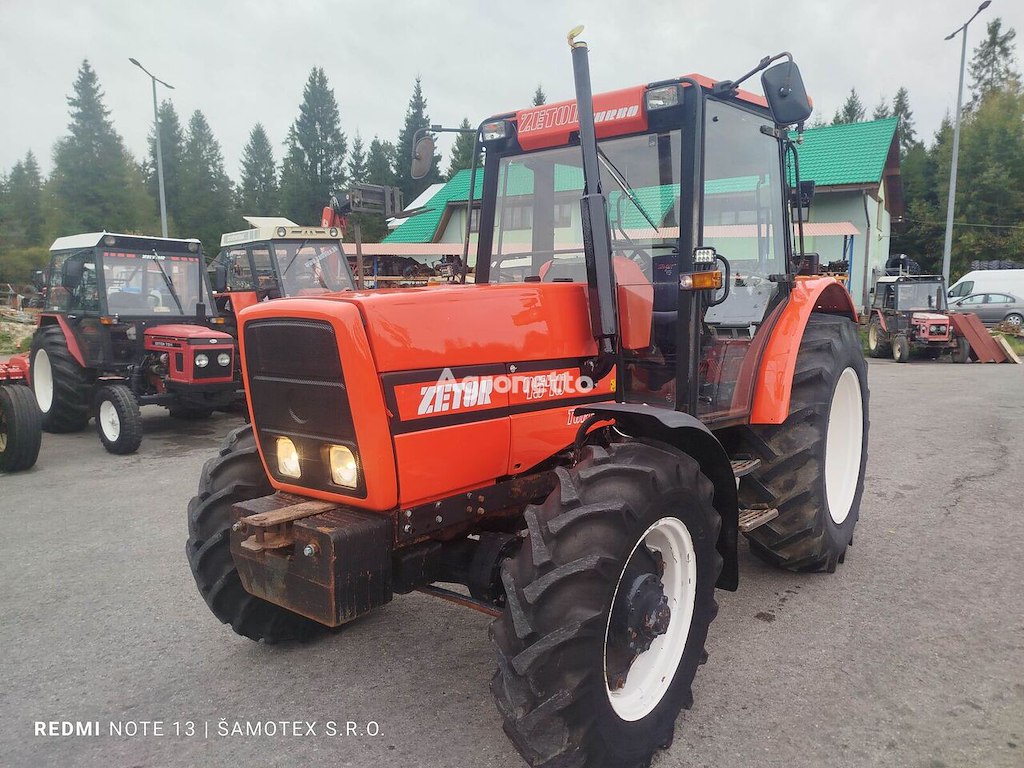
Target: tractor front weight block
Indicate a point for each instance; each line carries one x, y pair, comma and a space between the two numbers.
323, 561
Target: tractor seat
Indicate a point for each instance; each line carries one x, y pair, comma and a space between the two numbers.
120, 301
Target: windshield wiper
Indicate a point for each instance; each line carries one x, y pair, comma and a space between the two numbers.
170, 285
292, 261
624, 186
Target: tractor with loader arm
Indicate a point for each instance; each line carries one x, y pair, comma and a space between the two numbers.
277, 258
128, 321
574, 443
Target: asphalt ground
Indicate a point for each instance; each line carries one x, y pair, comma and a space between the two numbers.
911, 654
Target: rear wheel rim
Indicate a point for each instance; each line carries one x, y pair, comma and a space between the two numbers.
42, 381
110, 422
844, 445
3, 431
1015, 320
652, 672
872, 337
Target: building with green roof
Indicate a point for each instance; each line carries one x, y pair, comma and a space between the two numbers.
858, 193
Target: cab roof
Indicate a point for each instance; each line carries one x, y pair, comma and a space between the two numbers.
93, 239
276, 228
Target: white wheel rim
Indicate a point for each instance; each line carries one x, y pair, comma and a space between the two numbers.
42, 381
872, 336
110, 422
843, 445
652, 672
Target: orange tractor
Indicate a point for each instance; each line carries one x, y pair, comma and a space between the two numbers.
573, 444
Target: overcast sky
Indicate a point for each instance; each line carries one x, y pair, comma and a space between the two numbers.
242, 63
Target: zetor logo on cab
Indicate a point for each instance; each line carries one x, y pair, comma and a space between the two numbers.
559, 115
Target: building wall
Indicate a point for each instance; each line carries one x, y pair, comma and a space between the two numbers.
842, 206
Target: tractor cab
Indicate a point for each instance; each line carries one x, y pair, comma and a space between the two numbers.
276, 257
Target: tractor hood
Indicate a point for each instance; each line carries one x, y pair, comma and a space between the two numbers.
193, 334
930, 317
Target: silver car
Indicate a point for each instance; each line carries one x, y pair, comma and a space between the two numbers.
992, 308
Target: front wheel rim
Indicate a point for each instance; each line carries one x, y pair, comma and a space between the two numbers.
844, 445
109, 421
651, 673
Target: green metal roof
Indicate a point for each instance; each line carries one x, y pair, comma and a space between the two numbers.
421, 228
853, 153
835, 155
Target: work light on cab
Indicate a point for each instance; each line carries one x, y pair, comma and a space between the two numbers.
662, 97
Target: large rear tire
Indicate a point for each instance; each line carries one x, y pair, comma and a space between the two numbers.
878, 340
235, 475
812, 465
60, 384
630, 528
21, 428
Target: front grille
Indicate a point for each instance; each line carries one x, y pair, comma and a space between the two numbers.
297, 390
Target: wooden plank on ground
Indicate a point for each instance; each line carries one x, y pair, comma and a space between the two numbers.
1010, 354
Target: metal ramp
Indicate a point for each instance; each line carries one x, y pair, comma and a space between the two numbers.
984, 348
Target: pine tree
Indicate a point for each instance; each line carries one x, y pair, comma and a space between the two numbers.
95, 183
380, 163
207, 208
22, 210
539, 97
462, 150
258, 190
314, 163
416, 117
901, 109
171, 145
992, 64
881, 111
852, 110
357, 161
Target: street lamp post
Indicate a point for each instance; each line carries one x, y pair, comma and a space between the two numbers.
159, 152
948, 245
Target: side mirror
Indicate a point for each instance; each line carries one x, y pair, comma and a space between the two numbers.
220, 277
787, 97
422, 157
71, 272
38, 280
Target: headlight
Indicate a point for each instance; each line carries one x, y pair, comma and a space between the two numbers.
287, 458
495, 130
202, 360
223, 359
343, 467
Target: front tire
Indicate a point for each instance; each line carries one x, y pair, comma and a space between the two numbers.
962, 352
630, 528
118, 420
235, 475
60, 384
812, 465
21, 428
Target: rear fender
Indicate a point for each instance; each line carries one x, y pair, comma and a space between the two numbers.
69, 335
687, 434
774, 383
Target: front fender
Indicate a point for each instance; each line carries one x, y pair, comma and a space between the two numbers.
693, 438
774, 382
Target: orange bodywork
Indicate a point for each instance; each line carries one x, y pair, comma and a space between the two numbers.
452, 387
774, 381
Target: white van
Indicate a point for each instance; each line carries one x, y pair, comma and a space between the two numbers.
988, 281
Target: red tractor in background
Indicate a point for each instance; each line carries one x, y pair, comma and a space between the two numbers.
21, 426
909, 314
127, 322
637, 377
